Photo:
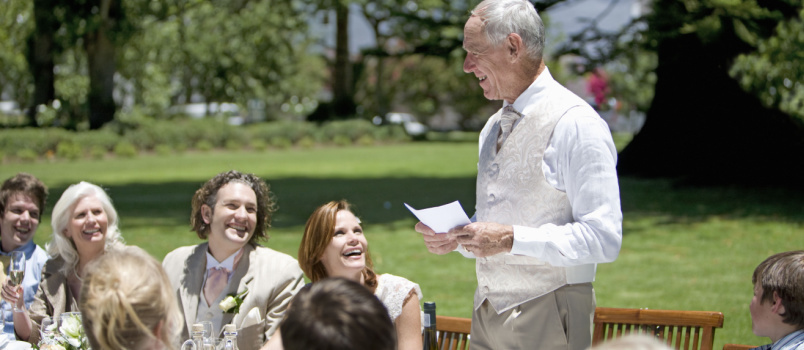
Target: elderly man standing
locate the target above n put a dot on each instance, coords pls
(548, 207)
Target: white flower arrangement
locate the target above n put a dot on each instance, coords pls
(69, 336)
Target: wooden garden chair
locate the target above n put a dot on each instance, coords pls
(681, 330)
(453, 332)
(737, 347)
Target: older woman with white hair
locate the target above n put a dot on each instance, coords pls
(84, 226)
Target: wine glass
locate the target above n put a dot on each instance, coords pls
(17, 271)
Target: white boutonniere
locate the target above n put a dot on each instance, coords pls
(232, 302)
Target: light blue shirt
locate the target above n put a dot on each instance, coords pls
(792, 341)
(35, 259)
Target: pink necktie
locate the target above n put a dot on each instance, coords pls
(217, 279)
(507, 120)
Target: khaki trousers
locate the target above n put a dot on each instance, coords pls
(561, 319)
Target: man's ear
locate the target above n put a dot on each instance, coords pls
(777, 307)
(206, 213)
(514, 45)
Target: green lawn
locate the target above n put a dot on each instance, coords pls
(683, 248)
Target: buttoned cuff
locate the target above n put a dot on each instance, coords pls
(529, 241)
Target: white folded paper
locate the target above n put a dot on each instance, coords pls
(442, 218)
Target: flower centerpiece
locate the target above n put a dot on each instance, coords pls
(232, 302)
(69, 335)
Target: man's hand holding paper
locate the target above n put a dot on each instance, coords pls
(436, 243)
(479, 238)
(483, 238)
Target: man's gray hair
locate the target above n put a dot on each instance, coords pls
(503, 17)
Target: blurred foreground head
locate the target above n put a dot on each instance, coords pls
(337, 314)
(127, 302)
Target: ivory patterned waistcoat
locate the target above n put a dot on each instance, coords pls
(512, 190)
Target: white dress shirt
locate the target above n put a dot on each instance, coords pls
(580, 160)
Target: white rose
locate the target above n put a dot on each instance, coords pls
(228, 303)
(71, 327)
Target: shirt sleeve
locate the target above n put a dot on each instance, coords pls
(580, 160)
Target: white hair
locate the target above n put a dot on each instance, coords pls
(503, 17)
(62, 246)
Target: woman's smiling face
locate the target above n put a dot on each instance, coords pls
(87, 227)
(345, 255)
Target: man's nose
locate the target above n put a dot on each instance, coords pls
(468, 63)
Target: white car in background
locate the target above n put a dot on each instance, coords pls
(407, 120)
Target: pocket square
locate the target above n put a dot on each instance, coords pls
(252, 317)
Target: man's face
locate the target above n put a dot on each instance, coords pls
(19, 221)
(763, 318)
(234, 219)
(488, 63)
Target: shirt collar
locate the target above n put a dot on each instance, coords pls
(794, 337)
(27, 248)
(531, 95)
(228, 263)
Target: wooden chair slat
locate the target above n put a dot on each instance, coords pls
(682, 330)
(453, 332)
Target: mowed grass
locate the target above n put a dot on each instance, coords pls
(683, 248)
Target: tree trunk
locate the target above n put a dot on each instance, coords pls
(704, 129)
(101, 57)
(342, 86)
(40, 58)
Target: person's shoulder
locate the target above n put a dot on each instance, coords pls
(180, 253)
(392, 280)
(39, 254)
(271, 259)
(53, 266)
(263, 252)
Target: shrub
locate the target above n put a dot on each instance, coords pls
(351, 129)
(163, 149)
(233, 144)
(341, 140)
(125, 149)
(204, 145)
(259, 144)
(306, 142)
(27, 155)
(38, 140)
(281, 142)
(365, 140)
(104, 139)
(98, 152)
(68, 150)
(292, 130)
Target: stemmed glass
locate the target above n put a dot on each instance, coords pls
(17, 271)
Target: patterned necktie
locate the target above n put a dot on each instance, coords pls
(217, 279)
(507, 120)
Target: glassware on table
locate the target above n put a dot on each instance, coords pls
(16, 273)
(229, 337)
(188, 344)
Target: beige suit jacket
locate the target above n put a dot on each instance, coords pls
(53, 297)
(272, 279)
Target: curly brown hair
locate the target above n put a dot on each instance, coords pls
(208, 194)
(318, 234)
